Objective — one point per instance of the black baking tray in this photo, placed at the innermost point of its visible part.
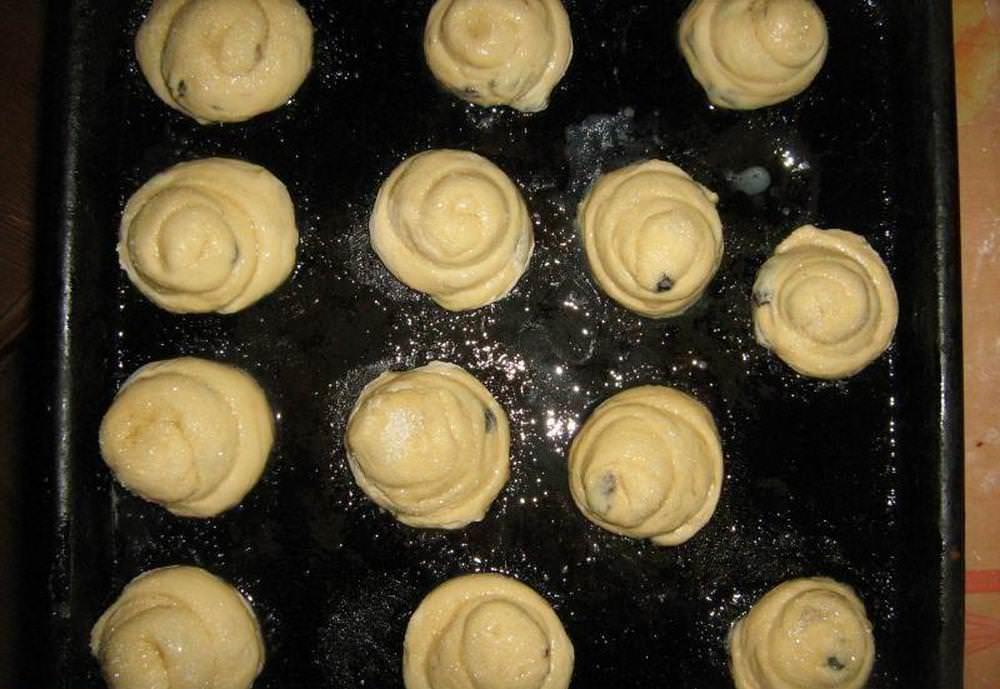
(859, 479)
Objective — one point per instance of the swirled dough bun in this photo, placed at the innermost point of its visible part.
(652, 236)
(648, 464)
(803, 634)
(178, 628)
(430, 445)
(225, 60)
(451, 224)
(499, 52)
(208, 235)
(189, 434)
(752, 53)
(486, 631)
(825, 303)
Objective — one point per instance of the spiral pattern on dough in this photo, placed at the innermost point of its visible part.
(189, 434)
(825, 303)
(652, 236)
(804, 633)
(752, 53)
(225, 60)
(208, 235)
(499, 52)
(486, 631)
(451, 224)
(648, 464)
(178, 628)
(431, 445)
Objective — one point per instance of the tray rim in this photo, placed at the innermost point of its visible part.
(48, 550)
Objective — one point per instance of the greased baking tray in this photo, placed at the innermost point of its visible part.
(859, 480)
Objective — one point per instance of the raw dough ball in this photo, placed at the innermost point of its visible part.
(751, 53)
(648, 464)
(430, 445)
(653, 237)
(451, 224)
(486, 631)
(825, 303)
(225, 60)
(803, 634)
(499, 52)
(189, 434)
(178, 628)
(208, 235)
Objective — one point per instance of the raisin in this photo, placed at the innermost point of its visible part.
(665, 284)
(181, 90)
(761, 298)
(608, 484)
(490, 420)
(833, 662)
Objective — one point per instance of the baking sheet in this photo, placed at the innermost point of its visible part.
(854, 479)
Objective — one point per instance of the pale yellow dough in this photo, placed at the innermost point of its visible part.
(648, 464)
(189, 434)
(451, 224)
(430, 445)
(499, 52)
(752, 53)
(225, 60)
(486, 631)
(652, 236)
(208, 235)
(825, 303)
(178, 628)
(803, 634)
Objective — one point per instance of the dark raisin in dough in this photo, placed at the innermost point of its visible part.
(761, 298)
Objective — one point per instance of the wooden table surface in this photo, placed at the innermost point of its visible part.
(977, 53)
(20, 52)
(977, 41)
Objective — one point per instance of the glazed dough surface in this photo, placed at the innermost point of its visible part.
(825, 303)
(803, 634)
(752, 53)
(451, 224)
(648, 464)
(178, 628)
(486, 631)
(225, 60)
(189, 434)
(208, 235)
(652, 236)
(430, 445)
(499, 52)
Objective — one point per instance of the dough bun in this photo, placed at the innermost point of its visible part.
(803, 634)
(225, 60)
(486, 631)
(430, 445)
(652, 236)
(452, 225)
(189, 434)
(208, 235)
(648, 464)
(825, 303)
(499, 52)
(178, 628)
(748, 54)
